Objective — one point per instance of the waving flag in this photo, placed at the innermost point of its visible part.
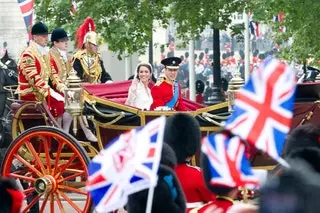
(74, 7)
(263, 107)
(26, 7)
(129, 164)
(228, 164)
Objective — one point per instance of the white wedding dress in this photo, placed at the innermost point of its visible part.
(139, 96)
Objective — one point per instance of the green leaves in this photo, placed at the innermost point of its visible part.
(127, 25)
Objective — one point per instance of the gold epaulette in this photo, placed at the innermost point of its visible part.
(160, 81)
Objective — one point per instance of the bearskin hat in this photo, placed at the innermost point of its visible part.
(10, 196)
(182, 133)
(303, 136)
(215, 189)
(168, 194)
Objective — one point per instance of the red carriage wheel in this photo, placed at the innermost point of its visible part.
(51, 167)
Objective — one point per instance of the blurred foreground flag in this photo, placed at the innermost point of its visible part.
(128, 164)
(228, 164)
(263, 107)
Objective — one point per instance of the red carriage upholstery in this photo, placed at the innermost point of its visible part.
(118, 92)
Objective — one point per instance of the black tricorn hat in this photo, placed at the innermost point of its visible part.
(171, 62)
(182, 133)
(39, 29)
(59, 34)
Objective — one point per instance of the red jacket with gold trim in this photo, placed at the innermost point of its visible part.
(162, 93)
(60, 69)
(193, 185)
(34, 73)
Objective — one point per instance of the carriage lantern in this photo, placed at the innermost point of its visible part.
(234, 85)
(74, 98)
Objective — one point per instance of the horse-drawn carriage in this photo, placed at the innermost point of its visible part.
(51, 165)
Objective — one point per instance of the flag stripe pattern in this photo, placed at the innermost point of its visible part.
(127, 165)
(26, 7)
(263, 107)
(228, 164)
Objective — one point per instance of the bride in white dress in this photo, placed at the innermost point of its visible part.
(139, 94)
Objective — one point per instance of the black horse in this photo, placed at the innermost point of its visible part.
(8, 77)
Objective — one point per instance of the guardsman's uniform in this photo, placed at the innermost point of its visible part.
(166, 93)
(182, 133)
(89, 66)
(34, 74)
(221, 203)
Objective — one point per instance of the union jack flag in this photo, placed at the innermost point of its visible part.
(228, 164)
(127, 165)
(263, 107)
(26, 7)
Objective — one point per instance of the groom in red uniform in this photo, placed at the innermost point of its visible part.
(166, 93)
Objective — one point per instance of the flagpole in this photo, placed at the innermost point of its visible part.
(246, 47)
(150, 199)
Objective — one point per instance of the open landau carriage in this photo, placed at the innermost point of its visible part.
(51, 165)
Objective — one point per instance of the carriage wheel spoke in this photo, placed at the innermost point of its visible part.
(69, 201)
(38, 173)
(72, 176)
(21, 177)
(66, 165)
(51, 203)
(36, 157)
(28, 191)
(68, 188)
(59, 203)
(46, 150)
(34, 201)
(43, 205)
(58, 153)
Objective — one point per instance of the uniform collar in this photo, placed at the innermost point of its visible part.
(42, 50)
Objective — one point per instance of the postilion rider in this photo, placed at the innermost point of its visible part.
(166, 93)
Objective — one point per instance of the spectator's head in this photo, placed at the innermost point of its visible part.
(206, 50)
(181, 57)
(168, 195)
(182, 133)
(201, 56)
(255, 53)
(186, 54)
(307, 135)
(199, 86)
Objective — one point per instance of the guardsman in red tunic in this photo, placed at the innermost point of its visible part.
(34, 72)
(182, 133)
(166, 93)
(224, 195)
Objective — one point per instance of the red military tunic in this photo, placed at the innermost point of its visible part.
(60, 68)
(34, 73)
(162, 93)
(221, 203)
(193, 185)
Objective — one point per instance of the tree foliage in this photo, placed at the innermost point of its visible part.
(300, 21)
(126, 25)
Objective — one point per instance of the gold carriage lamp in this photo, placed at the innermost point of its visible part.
(74, 98)
(234, 85)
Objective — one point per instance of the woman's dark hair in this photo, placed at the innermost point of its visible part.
(149, 68)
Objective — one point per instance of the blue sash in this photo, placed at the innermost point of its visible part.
(175, 97)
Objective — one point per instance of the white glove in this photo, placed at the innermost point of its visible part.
(162, 108)
(3, 66)
(56, 95)
(108, 82)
